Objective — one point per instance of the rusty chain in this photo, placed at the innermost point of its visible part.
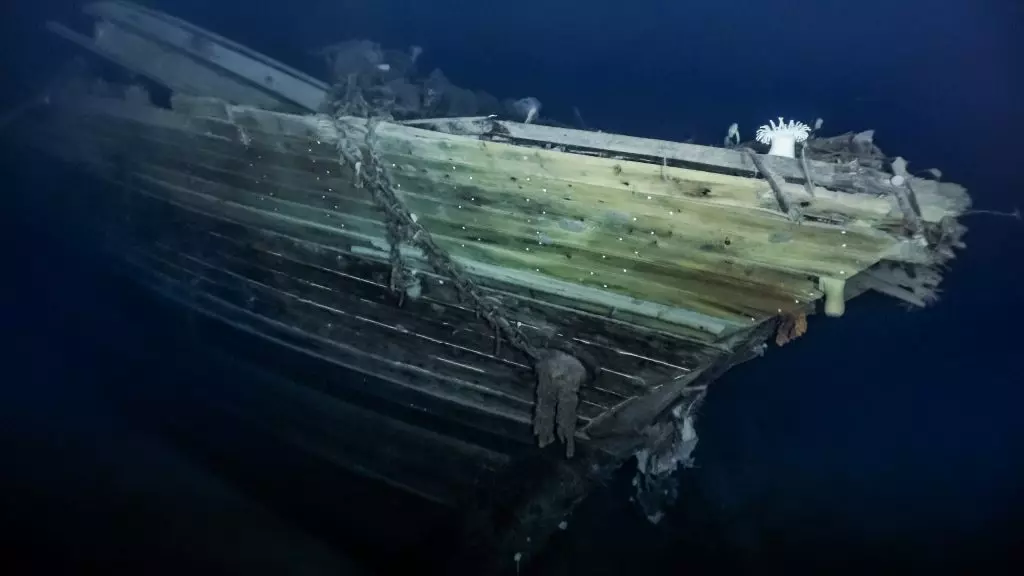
(371, 173)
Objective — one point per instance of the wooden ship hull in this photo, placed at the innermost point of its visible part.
(523, 283)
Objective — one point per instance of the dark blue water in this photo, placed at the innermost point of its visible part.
(885, 440)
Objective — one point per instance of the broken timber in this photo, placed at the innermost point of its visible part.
(659, 264)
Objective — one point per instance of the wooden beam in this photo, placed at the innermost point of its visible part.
(328, 343)
(372, 244)
(168, 68)
(673, 274)
(672, 238)
(189, 59)
(618, 348)
(636, 345)
(383, 390)
(937, 199)
(486, 378)
(417, 460)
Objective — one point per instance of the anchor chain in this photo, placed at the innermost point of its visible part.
(560, 370)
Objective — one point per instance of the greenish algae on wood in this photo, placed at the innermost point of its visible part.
(699, 255)
(673, 237)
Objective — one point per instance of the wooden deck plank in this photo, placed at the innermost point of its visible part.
(681, 209)
(842, 271)
(412, 459)
(207, 51)
(155, 62)
(236, 383)
(937, 199)
(439, 385)
(719, 283)
(506, 381)
(622, 375)
(619, 336)
(381, 393)
(333, 329)
(302, 217)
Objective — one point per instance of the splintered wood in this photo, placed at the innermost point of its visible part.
(791, 327)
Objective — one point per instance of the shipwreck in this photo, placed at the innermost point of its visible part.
(532, 304)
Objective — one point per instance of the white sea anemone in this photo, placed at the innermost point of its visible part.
(783, 136)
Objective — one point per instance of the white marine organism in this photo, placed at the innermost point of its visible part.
(415, 52)
(528, 107)
(733, 136)
(783, 136)
(818, 123)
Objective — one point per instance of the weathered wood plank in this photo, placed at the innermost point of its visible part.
(312, 313)
(172, 224)
(663, 281)
(796, 300)
(414, 459)
(320, 157)
(573, 185)
(622, 375)
(593, 332)
(678, 286)
(329, 245)
(374, 244)
(177, 71)
(444, 387)
(596, 328)
(478, 242)
(365, 440)
(207, 50)
(937, 199)
(553, 230)
(335, 328)
(665, 233)
(683, 207)
(701, 284)
(418, 407)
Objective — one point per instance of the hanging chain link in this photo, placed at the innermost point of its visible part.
(371, 173)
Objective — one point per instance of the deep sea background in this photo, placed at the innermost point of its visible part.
(885, 441)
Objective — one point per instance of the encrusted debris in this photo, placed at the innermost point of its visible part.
(559, 376)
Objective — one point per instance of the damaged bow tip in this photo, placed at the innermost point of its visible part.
(528, 108)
